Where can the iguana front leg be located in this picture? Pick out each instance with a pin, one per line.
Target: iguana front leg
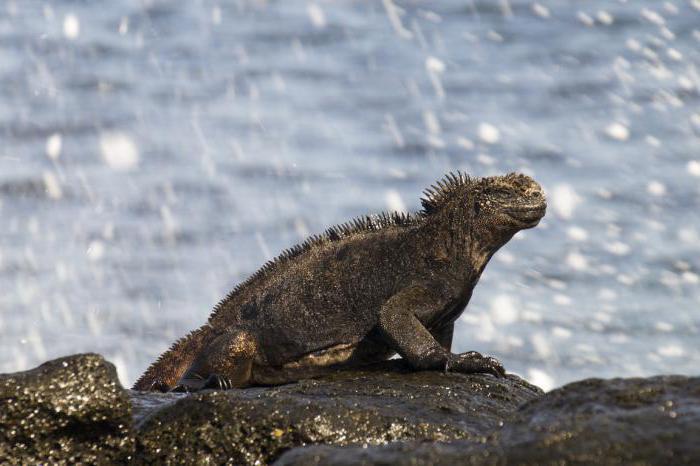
(405, 333)
(444, 336)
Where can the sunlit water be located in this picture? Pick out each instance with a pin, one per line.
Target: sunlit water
(155, 153)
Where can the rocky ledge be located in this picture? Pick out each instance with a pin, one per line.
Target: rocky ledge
(73, 410)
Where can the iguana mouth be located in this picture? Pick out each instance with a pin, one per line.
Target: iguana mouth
(528, 215)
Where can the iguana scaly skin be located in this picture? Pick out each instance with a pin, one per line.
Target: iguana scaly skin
(359, 293)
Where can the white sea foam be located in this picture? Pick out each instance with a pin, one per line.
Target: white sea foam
(577, 233)
(663, 326)
(690, 278)
(653, 17)
(585, 18)
(394, 14)
(465, 143)
(394, 201)
(540, 378)
(488, 133)
(96, 250)
(656, 188)
(316, 15)
(618, 131)
(561, 299)
(618, 248)
(54, 143)
(432, 124)
(564, 200)
(577, 261)
(71, 26)
(671, 350)
(605, 17)
(541, 345)
(52, 185)
(123, 28)
(435, 68)
(652, 141)
(561, 332)
(504, 310)
(674, 54)
(540, 10)
(606, 294)
(119, 151)
(693, 167)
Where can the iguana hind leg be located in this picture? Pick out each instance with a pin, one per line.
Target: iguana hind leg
(409, 337)
(227, 362)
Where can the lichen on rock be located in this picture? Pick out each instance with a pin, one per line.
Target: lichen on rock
(69, 410)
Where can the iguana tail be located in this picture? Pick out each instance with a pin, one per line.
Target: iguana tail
(164, 374)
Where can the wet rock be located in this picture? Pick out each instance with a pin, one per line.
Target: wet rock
(66, 411)
(653, 421)
(73, 410)
(383, 404)
(459, 452)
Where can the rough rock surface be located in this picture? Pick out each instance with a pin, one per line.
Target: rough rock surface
(653, 421)
(459, 452)
(66, 411)
(381, 404)
(73, 410)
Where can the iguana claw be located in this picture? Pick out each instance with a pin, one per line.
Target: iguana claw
(218, 382)
(214, 381)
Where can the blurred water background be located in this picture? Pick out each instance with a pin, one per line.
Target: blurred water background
(154, 153)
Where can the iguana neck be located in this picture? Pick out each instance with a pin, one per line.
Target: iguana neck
(454, 237)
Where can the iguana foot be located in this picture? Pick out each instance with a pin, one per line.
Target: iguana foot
(218, 382)
(190, 383)
(158, 386)
(181, 388)
(472, 362)
(214, 381)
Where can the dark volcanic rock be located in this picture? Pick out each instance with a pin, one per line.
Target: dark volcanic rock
(73, 410)
(622, 421)
(69, 410)
(459, 452)
(373, 406)
(654, 421)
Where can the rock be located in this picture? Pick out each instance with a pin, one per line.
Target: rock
(373, 406)
(653, 421)
(73, 410)
(66, 411)
(459, 452)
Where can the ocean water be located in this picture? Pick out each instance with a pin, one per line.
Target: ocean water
(155, 153)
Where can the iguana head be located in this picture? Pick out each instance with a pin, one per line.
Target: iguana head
(502, 206)
(511, 203)
(485, 212)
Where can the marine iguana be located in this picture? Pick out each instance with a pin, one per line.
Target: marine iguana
(359, 293)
